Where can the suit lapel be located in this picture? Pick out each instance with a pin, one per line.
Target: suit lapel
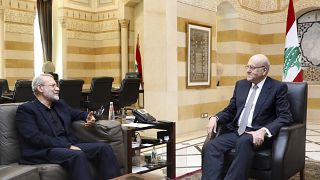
(262, 97)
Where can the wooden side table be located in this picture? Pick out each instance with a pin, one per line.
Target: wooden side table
(170, 145)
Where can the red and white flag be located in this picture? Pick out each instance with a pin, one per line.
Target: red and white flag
(138, 65)
(292, 71)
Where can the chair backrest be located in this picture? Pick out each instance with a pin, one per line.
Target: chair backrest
(132, 75)
(129, 92)
(298, 95)
(23, 91)
(100, 94)
(4, 85)
(55, 76)
(70, 91)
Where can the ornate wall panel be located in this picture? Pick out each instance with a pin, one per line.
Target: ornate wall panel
(17, 16)
(105, 2)
(81, 2)
(19, 28)
(309, 38)
(258, 11)
(85, 25)
(204, 4)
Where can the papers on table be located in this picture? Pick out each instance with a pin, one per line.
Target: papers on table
(137, 125)
(136, 169)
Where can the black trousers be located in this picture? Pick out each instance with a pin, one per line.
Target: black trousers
(76, 162)
(215, 149)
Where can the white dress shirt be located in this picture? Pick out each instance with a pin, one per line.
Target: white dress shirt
(258, 90)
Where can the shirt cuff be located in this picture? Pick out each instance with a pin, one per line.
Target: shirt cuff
(269, 135)
(217, 118)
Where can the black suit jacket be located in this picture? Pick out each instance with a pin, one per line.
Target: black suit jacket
(272, 109)
(37, 135)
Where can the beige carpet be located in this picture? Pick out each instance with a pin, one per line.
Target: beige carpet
(312, 172)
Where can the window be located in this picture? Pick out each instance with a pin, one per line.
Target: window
(38, 51)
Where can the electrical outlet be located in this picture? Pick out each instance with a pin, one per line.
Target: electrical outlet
(204, 115)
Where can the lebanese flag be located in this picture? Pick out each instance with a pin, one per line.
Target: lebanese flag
(292, 71)
(138, 65)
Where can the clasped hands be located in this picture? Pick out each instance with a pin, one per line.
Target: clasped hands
(257, 136)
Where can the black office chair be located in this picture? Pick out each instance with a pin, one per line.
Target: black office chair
(22, 92)
(100, 93)
(70, 91)
(127, 94)
(287, 155)
(55, 76)
(4, 86)
(132, 75)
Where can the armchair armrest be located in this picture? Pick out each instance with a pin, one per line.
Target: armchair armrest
(289, 148)
(103, 131)
(106, 131)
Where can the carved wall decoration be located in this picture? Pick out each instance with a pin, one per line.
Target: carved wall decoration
(81, 2)
(312, 74)
(309, 39)
(81, 35)
(105, 2)
(18, 16)
(260, 11)
(260, 5)
(85, 25)
(204, 4)
(19, 28)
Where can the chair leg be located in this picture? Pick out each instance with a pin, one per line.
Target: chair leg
(302, 174)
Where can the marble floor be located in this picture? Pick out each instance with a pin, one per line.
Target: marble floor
(188, 150)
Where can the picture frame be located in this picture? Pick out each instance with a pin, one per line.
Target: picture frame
(199, 55)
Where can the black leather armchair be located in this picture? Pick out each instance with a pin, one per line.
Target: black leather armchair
(22, 92)
(287, 155)
(100, 93)
(70, 91)
(127, 94)
(4, 86)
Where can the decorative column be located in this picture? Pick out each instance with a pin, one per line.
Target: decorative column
(124, 24)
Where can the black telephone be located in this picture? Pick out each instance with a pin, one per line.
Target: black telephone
(142, 116)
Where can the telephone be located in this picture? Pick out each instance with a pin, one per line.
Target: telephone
(142, 116)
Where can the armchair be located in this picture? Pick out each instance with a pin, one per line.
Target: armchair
(287, 155)
(100, 93)
(70, 91)
(127, 94)
(4, 86)
(22, 92)
(104, 131)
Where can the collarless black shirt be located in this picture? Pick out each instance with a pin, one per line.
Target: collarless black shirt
(56, 123)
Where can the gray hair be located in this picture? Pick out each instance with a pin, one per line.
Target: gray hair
(38, 80)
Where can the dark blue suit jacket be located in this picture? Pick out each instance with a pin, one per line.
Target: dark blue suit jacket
(272, 109)
(37, 135)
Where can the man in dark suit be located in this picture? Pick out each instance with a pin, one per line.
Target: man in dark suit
(257, 110)
(44, 126)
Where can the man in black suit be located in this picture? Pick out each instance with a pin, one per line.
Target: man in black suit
(44, 126)
(267, 111)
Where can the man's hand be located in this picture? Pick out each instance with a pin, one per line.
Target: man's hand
(258, 136)
(75, 148)
(212, 125)
(90, 120)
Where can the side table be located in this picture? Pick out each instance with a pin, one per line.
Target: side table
(170, 146)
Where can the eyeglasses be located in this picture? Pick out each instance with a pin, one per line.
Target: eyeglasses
(51, 85)
(250, 67)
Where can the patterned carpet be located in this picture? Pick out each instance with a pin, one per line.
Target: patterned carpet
(312, 172)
